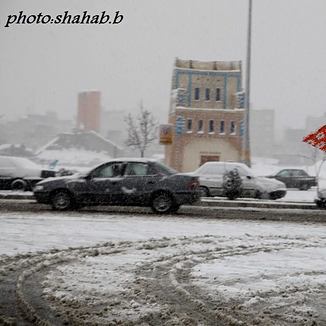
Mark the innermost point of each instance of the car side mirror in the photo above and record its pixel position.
(249, 177)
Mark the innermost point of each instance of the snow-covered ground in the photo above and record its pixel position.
(27, 231)
(164, 270)
(169, 270)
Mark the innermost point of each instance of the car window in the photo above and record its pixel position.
(242, 169)
(108, 171)
(299, 173)
(284, 173)
(136, 168)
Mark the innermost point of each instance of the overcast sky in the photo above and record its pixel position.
(43, 67)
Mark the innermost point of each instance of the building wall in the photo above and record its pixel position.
(215, 149)
(89, 111)
(190, 148)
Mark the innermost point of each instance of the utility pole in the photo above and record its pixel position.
(246, 139)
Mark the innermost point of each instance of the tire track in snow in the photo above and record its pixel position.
(161, 291)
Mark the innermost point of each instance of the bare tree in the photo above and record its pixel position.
(142, 130)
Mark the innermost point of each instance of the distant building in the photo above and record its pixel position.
(206, 111)
(292, 150)
(89, 111)
(34, 130)
(262, 132)
(79, 148)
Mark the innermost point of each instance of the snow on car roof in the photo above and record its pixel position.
(133, 159)
(222, 162)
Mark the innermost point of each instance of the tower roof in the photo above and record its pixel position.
(208, 65)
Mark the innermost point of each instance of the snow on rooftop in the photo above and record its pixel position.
(73, 157)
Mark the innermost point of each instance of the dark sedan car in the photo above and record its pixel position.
(136, 182)
(295, 178)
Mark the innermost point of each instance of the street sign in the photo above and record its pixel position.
(166, 134)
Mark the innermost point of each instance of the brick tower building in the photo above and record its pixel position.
(89, 111)
(206, 111)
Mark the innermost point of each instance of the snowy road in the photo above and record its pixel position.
(150, 270)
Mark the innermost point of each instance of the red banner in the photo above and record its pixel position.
(317, 138)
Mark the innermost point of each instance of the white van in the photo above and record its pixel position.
(19, 173)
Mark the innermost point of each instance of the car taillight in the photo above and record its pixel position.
(193, 184)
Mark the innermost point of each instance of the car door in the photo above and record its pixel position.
(138, 183)
(104, 183)
(249, 185)
(301, 179)
(211, 176)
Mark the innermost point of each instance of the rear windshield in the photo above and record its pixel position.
(160, 167)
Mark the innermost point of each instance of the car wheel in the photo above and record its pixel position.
(258, 195)
(304, 187)
(162, 203)
(204, 192)
(273, 196)
(19, 184)
(61, 201)
(320, 203)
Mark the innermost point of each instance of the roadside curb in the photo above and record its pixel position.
(257, 204)
(200, 211)
(16, 196)
(206, 202)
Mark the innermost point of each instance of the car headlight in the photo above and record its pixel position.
(38, 188)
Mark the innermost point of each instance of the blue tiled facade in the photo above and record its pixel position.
(215, 74)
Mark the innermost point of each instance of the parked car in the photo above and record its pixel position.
(211, 181)
(295, 178)
(136, 182)
(19, 173)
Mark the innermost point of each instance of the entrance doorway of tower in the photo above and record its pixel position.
(208, 158)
